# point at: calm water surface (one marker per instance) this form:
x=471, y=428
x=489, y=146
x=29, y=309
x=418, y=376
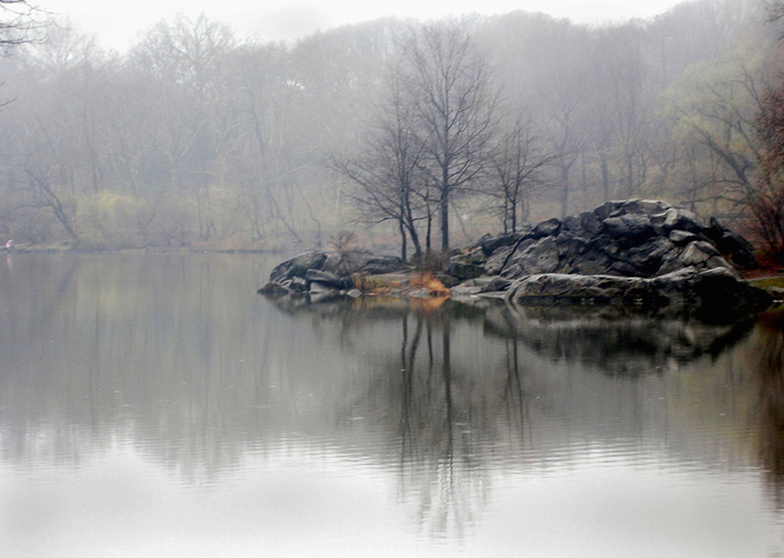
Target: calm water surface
x=155, y=405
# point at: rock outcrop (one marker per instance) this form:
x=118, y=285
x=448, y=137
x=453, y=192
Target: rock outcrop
x=635, y=254
x=338, y=264
x=324, y=275
x=633, y=238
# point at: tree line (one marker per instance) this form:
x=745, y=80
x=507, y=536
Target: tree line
x=409, y=133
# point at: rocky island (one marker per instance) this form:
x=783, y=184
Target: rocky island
x=638, y=255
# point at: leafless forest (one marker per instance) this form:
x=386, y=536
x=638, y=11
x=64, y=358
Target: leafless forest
x=434, y=132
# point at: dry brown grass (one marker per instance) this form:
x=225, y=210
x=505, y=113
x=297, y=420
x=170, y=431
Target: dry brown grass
x=426, y=280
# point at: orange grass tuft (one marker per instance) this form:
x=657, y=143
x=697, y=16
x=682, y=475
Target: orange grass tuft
x=427, y=281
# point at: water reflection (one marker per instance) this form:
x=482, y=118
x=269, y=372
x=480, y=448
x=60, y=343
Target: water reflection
x=768, y=364
x=474, y=388
x=167, y=375
x=617, y=346
x=442, y=419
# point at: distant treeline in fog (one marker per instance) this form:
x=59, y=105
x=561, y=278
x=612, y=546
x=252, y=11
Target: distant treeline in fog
x=194, y=138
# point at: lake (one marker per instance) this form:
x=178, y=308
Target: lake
x=154, y=405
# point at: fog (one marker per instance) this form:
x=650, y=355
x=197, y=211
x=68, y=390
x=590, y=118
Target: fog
x=118, y=25
x=199, y=137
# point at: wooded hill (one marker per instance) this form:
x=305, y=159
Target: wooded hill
x=195, y=138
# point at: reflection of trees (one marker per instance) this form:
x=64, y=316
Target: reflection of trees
x=454, y=416
x=443, y=419
x=445, y=411
x=514, y=392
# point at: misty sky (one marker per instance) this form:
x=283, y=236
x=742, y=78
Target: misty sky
x=117, y=23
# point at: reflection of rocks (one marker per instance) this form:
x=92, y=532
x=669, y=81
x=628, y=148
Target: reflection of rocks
x=355, y=311
x=613, y=345
x=614, y=339
x=441, y=402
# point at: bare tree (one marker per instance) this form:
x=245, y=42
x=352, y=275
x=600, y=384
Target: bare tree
x=628, y=105
x=56, y=145
x=18, y=18
x=766, y=198
x=388, y=173
x=717, y=111
x=266, y=97
x=450, y=80
x=515, y=170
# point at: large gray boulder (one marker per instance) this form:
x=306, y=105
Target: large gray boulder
x=716, y=295
x=628, y=238
x=297, y=266
x=642, y=254
x=337, y=266
x=326, y=279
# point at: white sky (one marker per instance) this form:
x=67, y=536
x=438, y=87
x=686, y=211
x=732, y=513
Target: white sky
x=117, y=24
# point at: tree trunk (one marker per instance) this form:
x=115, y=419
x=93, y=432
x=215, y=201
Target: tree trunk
x=605, y=176
x=443, y=210
x=428, y=239
x=564, y=191
x=414, y=238
x=402, y=240
x=513, y=214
